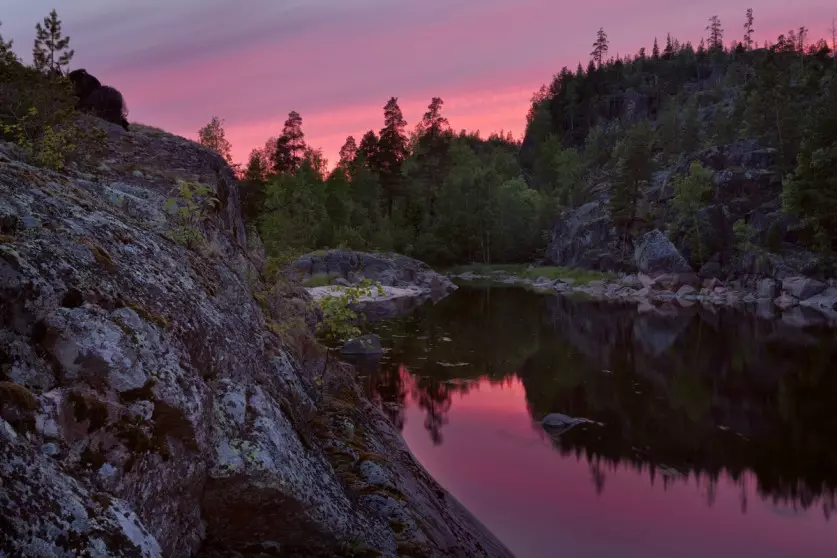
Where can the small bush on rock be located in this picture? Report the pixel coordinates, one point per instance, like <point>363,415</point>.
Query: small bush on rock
<point>191,207</point>
<point>37,112</point>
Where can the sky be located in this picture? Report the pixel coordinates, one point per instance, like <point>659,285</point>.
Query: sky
<point>336,62</point>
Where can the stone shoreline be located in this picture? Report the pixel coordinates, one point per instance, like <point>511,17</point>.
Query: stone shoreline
<point>798,300</point>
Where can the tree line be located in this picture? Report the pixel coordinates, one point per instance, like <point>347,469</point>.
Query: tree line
<point>431,193</point>
<point>617,121</point>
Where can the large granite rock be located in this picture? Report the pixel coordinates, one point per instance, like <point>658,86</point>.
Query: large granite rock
<point>655,254</point>
<point>163,398</point>
<point>584,237</point>
<point>391,270</point>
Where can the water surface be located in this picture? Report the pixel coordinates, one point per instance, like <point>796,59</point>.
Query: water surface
<point>718,432</point>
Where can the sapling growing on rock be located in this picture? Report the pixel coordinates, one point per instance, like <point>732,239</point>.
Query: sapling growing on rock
<point>339,322</point>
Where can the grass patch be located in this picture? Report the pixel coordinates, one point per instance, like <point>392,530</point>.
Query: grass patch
<point>576,275</point>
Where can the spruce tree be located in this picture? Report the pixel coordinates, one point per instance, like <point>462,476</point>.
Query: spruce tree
<point>655,52</point>
<point>669,50</point>
<point>716,33</point>
<point>51,52</point>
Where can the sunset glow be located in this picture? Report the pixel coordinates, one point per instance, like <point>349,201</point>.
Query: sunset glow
<point>336,63</point>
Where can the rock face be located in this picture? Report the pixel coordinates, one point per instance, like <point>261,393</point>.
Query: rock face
<point>159,400</point>
<point>391,270</point>
<point>655,254</point>
<point>746,187</point>
<point>584,237</point>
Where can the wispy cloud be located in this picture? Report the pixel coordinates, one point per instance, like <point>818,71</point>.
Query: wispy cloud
<point>338,61</point>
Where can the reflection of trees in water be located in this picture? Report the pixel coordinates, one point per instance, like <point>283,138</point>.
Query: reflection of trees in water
<point>796,495</point>
<point>663,382</point>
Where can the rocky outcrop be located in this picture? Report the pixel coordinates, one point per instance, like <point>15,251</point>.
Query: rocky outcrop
<point>159,399</point>
<point>655,254</point>
<point>390,270</point>
<point>746,187</point>
<point>405,283</point>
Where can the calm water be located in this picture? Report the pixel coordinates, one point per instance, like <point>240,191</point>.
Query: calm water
<point>718,435</point>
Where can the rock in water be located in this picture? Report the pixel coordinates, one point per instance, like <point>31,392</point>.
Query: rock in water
<point>556,424</point>
<point>365,345</point>
<point>654,254</point>
<point>802,287</point>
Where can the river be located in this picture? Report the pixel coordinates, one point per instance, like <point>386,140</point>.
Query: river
<point>714,433</point>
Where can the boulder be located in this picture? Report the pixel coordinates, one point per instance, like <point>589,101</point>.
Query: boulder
<point>655,254</point>
<point>802,287</point>
<point>826,300</point>
<point>584,237</point>
<point>768,289</point>
<point>710,270</point>
<point>389,269</point>
<point>364,345</point>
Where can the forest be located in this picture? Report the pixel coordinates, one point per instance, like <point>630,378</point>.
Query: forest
<point>604,130</point>
<point>454,197</point>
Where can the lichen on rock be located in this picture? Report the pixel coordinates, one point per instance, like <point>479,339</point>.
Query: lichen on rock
<point>163,395</point>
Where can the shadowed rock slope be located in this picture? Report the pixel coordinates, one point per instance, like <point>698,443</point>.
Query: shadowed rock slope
<point>159,398</point>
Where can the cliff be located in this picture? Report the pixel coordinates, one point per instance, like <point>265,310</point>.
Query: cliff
<point>160,398</point>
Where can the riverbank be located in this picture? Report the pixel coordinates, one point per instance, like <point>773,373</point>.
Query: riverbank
<point>797,300</point>
<point>162,395</point>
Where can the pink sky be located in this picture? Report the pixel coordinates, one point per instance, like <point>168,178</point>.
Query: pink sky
<point>336,62</point>
<point>502,467</point>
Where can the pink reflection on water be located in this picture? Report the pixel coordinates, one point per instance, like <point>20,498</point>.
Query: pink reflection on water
<point>540,503</point>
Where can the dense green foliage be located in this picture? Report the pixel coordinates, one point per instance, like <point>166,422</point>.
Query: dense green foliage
<point>625,118</point>
<point>450,197</point>
<point>37,104</point>
<point>435,194</point>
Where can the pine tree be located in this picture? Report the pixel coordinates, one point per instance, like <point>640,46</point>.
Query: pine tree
<point>655,52</point>
<point>290,147</point>
<point>51,52</point>
<point>212,136</point>
<point>392,151</point>
<point>716,33</point>
<point>348,153</point>
<point>368,149</point>
<point>600,47</point>
<point>7,55</point>
<point>748,30</point>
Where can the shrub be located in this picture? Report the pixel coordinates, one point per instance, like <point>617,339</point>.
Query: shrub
<point>37,112</point>
<point>191,208</point>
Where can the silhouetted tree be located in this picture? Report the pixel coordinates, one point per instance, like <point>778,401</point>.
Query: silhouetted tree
<point>748,30</point>
<point>392,151</point>
<point>212,136</point>
<point>7,55</point>
<point>716,33</point>
<point>655,51</point>
<point>600,47</point>
<point>290,146</point>
<point>51,52</point>
<point>348,152</point>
